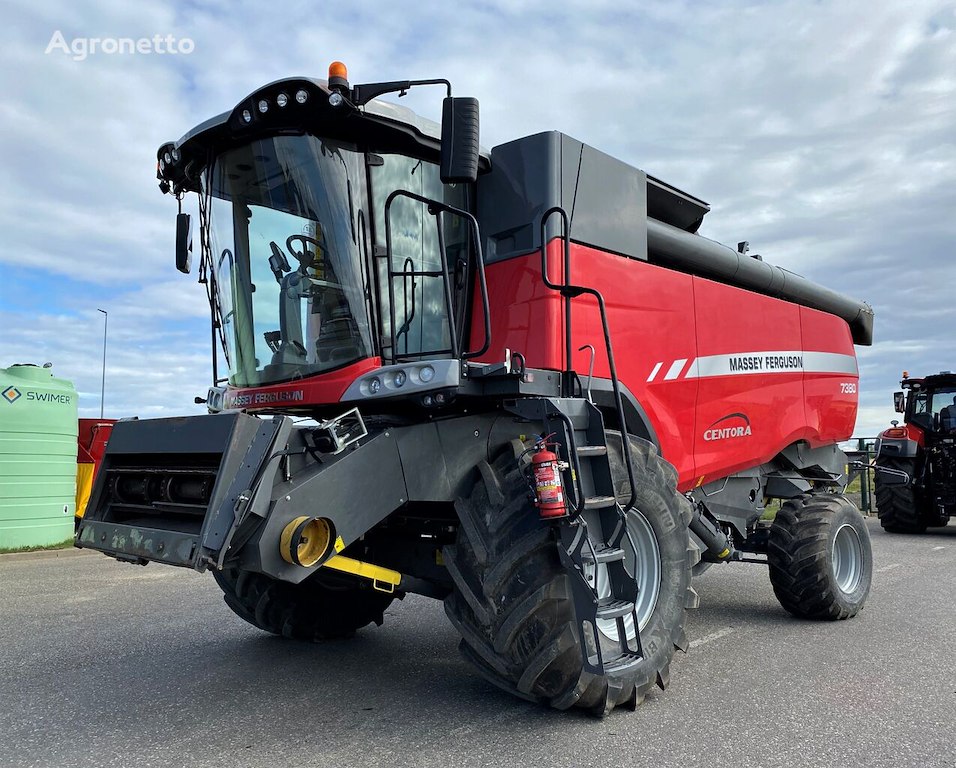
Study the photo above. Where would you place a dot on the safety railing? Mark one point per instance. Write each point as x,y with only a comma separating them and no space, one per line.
861,482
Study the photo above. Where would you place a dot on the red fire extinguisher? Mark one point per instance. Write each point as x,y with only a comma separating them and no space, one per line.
548,488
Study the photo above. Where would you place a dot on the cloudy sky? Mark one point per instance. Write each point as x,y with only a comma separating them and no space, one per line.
822,132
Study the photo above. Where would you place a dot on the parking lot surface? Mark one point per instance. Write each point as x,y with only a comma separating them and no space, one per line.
107,664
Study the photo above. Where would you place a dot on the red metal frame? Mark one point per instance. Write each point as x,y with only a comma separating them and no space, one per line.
92,437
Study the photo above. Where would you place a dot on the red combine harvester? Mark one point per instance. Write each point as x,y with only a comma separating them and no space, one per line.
422,396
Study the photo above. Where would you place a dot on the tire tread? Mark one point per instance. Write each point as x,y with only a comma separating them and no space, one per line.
512,602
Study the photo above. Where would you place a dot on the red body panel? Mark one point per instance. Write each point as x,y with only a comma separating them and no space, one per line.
92,437
327,388
727,377
831,408
905,432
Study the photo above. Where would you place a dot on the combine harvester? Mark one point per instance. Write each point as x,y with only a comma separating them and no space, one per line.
422,396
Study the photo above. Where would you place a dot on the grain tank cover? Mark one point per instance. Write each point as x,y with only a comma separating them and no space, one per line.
605,198
38,430
674,206
617,208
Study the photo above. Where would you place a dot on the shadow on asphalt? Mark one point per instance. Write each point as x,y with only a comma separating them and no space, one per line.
948,532
401,678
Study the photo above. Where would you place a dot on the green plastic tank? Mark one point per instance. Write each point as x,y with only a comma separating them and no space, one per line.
38,427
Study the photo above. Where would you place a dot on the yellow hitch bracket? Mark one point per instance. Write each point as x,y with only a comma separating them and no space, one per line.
383,579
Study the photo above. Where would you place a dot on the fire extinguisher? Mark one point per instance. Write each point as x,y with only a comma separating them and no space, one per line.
548,488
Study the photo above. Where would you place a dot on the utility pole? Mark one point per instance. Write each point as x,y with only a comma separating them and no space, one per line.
106,319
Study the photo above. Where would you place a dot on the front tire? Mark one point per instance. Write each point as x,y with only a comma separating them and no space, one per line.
512,600
898,506
323,607
820,558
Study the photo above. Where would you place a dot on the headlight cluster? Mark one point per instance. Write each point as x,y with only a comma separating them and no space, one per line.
431,382
169,156
393,381
281,100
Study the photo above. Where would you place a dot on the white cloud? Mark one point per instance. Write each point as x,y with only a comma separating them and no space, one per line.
825,134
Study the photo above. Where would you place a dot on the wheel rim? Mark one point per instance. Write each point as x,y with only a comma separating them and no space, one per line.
847,558
647,574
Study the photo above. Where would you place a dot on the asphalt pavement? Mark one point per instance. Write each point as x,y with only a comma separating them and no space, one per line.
108,664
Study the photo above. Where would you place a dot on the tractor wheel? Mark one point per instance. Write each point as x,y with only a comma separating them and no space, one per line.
899,505
512,601
820,558
323,607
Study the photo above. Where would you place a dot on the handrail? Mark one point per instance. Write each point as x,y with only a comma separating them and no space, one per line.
569,291
435,208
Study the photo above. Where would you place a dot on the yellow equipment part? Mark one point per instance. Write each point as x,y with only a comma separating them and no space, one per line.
383,579
84,484
305,541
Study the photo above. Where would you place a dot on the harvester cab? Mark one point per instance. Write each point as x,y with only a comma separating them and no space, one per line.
923,449
403,317
335,235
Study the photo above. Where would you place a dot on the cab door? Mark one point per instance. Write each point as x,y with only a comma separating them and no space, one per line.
421,313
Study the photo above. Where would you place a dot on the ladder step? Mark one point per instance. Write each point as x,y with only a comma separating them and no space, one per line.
603,554
611,608
622,663
599,502
592,450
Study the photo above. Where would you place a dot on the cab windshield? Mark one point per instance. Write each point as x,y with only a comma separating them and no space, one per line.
287,234
935,408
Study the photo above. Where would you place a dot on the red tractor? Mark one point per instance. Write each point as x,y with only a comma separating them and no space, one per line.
916,463
422,395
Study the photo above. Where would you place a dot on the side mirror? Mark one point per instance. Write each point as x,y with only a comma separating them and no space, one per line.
184,242
899,402
459,139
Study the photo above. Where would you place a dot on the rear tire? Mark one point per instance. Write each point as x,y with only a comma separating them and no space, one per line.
898,506
322,607
820,558
512,600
